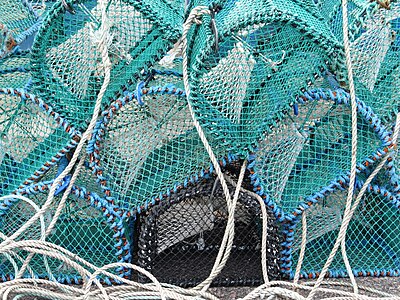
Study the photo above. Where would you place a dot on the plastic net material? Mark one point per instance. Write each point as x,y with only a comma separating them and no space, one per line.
17,21
309,152
66,61
34,138
268,85
145,146
372,244
85,227
15,71
260,65
179,239
375,55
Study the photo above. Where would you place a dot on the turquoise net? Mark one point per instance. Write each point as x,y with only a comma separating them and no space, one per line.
66,62
268,84
17,21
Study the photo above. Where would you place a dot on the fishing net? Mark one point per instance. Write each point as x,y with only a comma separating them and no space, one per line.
244,81
268,85
375,55
309,151
86,227
33,138
372,243
66,60
17,21
145,147
179,239
15,71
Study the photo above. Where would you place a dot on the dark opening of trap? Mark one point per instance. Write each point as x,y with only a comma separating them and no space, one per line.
178,239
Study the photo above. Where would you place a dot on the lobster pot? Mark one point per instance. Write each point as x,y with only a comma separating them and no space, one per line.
17,22
67,62
179,239
245,80
85,227
372,240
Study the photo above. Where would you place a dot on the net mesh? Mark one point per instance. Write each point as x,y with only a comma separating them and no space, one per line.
15,71
148,148
17,22
84,228
372,238
268,84
306,153
270,63
66,62
180,238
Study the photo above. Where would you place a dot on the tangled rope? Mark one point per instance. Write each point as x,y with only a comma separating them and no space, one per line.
92,288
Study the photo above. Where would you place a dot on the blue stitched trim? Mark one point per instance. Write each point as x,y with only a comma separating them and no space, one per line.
115,221
61,122
34,28
289,227
339,97
93,150
138,93
342,273
28,85
170,72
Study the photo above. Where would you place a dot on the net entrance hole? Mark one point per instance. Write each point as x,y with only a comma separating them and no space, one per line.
180,237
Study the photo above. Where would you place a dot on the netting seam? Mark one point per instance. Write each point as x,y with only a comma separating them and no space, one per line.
288,230
61,122
339,97
115,222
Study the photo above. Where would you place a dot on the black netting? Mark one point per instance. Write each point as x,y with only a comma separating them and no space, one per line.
178,239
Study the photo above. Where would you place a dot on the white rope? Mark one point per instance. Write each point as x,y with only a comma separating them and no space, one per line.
302,247
42,237
346,217
227,241
264,227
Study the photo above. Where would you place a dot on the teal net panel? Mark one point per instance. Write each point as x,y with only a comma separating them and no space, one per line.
33,138
67,64
359,11
17,21
145,147
266,54
86,227
372,240
15,71
376,60
310,151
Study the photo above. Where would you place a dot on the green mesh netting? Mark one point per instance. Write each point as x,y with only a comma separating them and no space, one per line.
148,147
372,241
33,138
15,71
66,62
309,151
375,55
358,12
259,68
268,84
83,228
17,21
